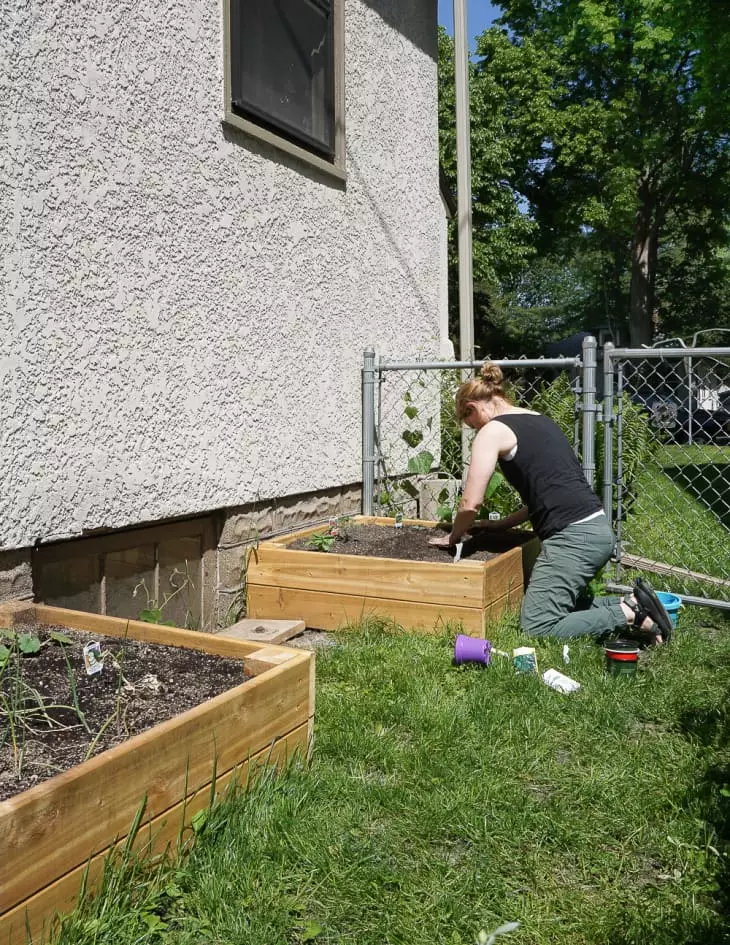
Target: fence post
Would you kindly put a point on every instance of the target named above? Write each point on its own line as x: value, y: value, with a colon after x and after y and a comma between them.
x: 368, y: 431
x: 608, y: 431
x: 589, y: 409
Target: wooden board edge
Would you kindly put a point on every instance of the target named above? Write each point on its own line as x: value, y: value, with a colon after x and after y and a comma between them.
x: 244, y: 629
x: 13, y: 612
x: 216, y: 644
x: 154, y: 838
x: 71, y: 794
x: 497, y: 609
x: 502, y: 573
x: 318, y: 607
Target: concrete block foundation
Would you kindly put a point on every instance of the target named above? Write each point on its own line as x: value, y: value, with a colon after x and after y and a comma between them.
x: 193, y: 570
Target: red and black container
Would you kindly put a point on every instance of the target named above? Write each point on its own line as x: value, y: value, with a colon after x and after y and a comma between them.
x: 622, y: 658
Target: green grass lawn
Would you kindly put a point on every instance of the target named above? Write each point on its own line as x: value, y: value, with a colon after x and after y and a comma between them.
x: 681, y: 514
x: 443, y: 801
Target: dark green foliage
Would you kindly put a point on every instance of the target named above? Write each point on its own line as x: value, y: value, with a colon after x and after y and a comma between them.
x: 601, y: 169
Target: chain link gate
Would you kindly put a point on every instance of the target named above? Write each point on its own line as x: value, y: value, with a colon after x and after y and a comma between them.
x: 415, y: 451
x: 666, y: 478
x: 659, y: 455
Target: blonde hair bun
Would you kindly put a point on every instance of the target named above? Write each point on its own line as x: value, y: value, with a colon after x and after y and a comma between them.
x: 486, y: 385
x: 492, y: 374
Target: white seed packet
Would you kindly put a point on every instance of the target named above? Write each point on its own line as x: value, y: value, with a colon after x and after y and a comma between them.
x: 92, y: 658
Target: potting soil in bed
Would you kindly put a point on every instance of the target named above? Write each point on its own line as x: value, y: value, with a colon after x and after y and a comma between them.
x: 410, y: 543
x: 43, y: 731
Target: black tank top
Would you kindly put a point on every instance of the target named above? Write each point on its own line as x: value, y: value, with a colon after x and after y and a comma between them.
x: 546, y: 473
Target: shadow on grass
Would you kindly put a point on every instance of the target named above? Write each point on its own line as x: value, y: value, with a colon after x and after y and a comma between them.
x: 710, y: 727
x: 707, y: 802
x: 706, y: 482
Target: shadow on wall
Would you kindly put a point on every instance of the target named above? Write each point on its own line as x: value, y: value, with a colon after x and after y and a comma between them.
x: 414, y: 19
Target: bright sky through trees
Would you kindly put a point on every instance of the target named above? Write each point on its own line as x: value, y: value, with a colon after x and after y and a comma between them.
x: 479, y: 15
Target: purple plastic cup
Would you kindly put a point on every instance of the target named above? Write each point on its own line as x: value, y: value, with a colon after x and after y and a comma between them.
x: 472, y: 650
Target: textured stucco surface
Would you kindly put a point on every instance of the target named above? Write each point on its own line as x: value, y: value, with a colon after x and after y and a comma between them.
x: 185, y: 309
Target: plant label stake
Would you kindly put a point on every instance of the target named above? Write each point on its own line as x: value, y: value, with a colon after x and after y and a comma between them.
x: 92, y: 658
x: 459, y: 549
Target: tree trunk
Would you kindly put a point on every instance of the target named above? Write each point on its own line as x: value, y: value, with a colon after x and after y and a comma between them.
x: 643, y: 270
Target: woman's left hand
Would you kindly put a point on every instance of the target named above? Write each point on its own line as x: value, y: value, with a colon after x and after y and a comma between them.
x: 443, y: 541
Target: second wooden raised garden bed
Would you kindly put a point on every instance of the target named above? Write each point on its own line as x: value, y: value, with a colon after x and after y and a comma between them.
x: 53, y: 833
x: 330, y: 590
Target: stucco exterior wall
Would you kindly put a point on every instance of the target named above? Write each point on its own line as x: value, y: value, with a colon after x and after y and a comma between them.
x: 186, y: 309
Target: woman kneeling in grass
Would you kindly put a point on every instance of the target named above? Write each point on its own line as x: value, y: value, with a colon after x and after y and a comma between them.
x: 538, y: 461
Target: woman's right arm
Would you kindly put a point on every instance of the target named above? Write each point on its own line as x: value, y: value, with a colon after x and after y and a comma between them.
x: 484, y: 457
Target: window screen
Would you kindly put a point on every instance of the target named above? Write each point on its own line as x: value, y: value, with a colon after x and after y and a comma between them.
x: 282, y: 68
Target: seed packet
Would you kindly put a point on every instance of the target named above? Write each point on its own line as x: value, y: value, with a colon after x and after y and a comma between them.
x: 524, y: 659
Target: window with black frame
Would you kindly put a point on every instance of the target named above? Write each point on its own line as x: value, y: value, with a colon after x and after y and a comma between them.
x: 282, y: 62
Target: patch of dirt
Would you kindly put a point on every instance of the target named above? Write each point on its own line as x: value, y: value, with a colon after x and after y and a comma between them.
x: 410, y: 543
x: 53, y: 715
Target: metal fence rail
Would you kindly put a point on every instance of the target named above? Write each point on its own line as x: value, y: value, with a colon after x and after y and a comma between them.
x: 651, y: 427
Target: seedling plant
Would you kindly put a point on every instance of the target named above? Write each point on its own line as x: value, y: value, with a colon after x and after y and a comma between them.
x: 24, y: 711
x: 153, y: 612
x: 336, y: 531
x: 26, y: 714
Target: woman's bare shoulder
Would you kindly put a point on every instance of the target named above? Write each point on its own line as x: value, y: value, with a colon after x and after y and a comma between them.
x: 499, y: 434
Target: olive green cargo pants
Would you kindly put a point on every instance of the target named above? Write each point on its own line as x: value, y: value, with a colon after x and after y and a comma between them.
x: 555, y: 602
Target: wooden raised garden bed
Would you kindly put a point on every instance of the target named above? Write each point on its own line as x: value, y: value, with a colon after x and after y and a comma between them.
x: 51, y: 833
x: 330, y: 590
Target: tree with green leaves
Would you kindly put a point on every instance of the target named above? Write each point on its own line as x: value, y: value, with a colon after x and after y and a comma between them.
x: 638, y: 129
x: 600, y: 146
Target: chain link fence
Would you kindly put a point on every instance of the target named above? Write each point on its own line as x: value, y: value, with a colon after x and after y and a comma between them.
x: 415, y: 449
x: 670, y: 492
x: 651, y: 427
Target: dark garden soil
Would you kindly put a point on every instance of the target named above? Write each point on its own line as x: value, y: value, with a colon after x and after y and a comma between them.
x: 410, y: 543
x: 53, y: 715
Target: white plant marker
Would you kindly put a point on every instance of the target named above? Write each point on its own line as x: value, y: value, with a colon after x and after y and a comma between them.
x: 93, y: 663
